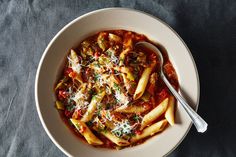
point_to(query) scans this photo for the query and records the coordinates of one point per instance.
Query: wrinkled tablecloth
(208, 27)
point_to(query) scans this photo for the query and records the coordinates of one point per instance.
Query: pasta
(151, 130)
(115, 139)
(155, 113)
(74, 61)
(92, 106)
(132, 109)
(169, 114)
(110, 93)
(86, 132)
(142, 83)
(110, 136)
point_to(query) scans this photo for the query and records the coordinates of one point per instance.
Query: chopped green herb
(116, 87)
(133, 85)
(108, 116)
(70, 123)
(91, 91)
(96, 65)
(136, 118)
(108, 105)
(105, 130)
(99, 108)
(109, 53)
(132, 134)
(70, 107)
(77, 126)
(89, 123)
(118, 133)
(96, 77)
(100, 129)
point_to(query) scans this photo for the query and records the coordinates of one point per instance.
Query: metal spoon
(199, 123)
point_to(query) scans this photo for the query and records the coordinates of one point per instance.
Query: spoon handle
(199, 123)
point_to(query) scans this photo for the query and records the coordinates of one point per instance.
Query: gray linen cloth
(26, 27)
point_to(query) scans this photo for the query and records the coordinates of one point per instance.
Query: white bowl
(107, 19)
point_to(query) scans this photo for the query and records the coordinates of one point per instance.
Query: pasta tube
(114, 38)
(169, 115)
(74, 60)
(102, 43)
(92, 106)
(131, 109)
(155, 113)
(118, 141)
(142, 83)
(151, 130)
(122, 56)
(126, 71)
(86, 132)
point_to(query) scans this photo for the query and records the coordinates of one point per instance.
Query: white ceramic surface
(107, 19)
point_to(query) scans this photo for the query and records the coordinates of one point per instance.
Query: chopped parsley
(136, 118)
(89, 123)
(70, 107)
(116, 87)
(122, 128)
(109, 105)
(96, 77)
(96, 65)
(91, 92)
(109, 53)
(99, 108)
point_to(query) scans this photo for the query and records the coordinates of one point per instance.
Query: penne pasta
(59, 105)
(75, 66)
(154, 114)
(126, 81)
(102, 43)
(169, 114)
(108, 119)
(128, 41)
(80, 97)
(151, 130)
(92, 106)
(86, 132)
(74, 57)
(123, 54)
(114, 38)
(118, 141)
(131, 109)
(125, 70)
(142, 83)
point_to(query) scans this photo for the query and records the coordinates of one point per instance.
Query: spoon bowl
(198, 122)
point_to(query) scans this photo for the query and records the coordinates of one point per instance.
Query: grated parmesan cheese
(75, 66)
(122, 128)
(121, 98)
(101, 81)
(80, 100)
(114, 59)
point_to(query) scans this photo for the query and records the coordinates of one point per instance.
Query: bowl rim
(84, 16)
